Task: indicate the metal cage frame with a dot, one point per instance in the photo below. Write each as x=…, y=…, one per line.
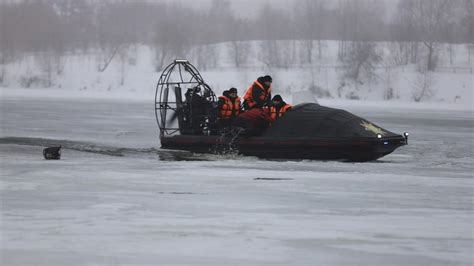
x=164, y=86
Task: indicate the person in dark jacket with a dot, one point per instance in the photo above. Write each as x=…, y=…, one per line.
x=196, y=110
x=259, y=94
x=277, y=108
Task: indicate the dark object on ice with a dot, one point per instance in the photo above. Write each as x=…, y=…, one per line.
x=307, y=131
x=52, y=153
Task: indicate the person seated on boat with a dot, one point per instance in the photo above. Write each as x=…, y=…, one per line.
x=259, y=93
x=252, y=122
x=278, y=107
x=229, y=107
x=196, y=110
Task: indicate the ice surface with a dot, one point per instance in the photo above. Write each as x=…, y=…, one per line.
x=136, y=206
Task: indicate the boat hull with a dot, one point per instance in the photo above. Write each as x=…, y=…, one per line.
x=345, y=149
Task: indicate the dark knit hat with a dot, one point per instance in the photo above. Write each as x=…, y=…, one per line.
x=267, y=78
x=277, y=98
x=232, y=90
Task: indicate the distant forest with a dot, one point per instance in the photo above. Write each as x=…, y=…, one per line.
x=60, y=27
x=38, y=25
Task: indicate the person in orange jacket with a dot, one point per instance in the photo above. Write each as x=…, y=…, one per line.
x=259, y=94
x=278, y=108
x=229, y=106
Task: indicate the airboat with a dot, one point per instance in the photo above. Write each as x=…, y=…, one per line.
x=187, y=118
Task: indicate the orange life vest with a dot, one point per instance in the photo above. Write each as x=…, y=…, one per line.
x=249, y=94
x=230, y=108
x=275, y=114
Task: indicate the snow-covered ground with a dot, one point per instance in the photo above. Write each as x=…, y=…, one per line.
x=134, y=72
x=116, y=199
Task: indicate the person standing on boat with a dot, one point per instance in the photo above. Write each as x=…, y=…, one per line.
x=259, y=94
x=229, y=106
x=278, y=107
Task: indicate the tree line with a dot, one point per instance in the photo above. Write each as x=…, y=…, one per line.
x=58, y=27
x=33, y=25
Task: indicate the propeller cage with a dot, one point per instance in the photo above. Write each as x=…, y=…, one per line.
x=184, y=103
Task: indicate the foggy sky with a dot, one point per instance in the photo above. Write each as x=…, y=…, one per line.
x=250, y=8
x=242, y=8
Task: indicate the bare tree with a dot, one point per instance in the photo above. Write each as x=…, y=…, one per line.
x=399, y=52
x=212, y=55
x=268, y=55
x=106, y=54
x=239, y=51
x=406, y=33
x=388, y=78
x=470, y=50
x=3, y=44
x=170, y=42
x=45, y=62
x=124, y=58
x=468, y=23
x=451, y=53
x=307, y=55
x=311, y=15
x=205, y=56
x=342, y=49
x=273, y=51
x=277, y=54
x=221, y=22
x=106, y=49
x=361, y=60
x=431, y=17
x=468, y=20
x=2, y=66
x=422, y=88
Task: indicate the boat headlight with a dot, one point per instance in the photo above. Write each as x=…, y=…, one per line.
x=406, y=137
x=379, y=136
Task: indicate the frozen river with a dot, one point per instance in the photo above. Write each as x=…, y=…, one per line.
x=116, y=199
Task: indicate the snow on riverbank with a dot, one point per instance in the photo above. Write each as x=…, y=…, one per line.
x=133, y=75
x=149, y=96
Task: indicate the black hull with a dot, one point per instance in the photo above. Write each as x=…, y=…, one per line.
x=345, y=149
